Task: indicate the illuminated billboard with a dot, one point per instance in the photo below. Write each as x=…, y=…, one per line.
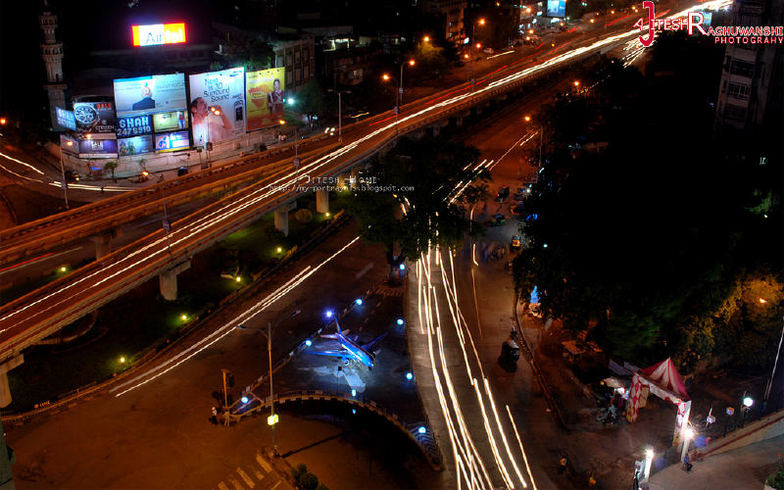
x=170, y=121
x=264, y=97
x=134, y=126
x=135, y=145
x=65, y=119
x=556, y=8
x=94, y=117
x=217, y=105
x=150, y=94
x=157, y=34
x=96, y=148
x=178, y=140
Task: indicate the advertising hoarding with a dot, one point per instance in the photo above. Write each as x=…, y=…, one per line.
x=94, y=117
x=134, y=126
x=170, y=121
x=264, y=97
x=157, y=34
x=135, y=145
x=217, y=105
x=95, y=148
x=178, y=140
x=150, y=94
x=556, y=8
x=65, y=119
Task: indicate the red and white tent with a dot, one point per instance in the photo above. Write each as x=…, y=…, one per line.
x=662, y=380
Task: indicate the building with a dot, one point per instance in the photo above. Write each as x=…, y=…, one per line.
x=52, y=53
x=297, y=53
x=752, y=82
x=451, y=14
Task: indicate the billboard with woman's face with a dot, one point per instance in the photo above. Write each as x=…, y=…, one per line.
x=264, y=97
x=217, y=106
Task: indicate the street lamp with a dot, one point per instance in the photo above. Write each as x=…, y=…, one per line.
x=426, y=39
x=688, y=435
x=340, y=112
x=528, y=119
x=62, y=170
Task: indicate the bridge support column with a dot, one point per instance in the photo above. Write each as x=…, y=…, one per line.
x=5, y=390
x=168, y=280
x=103, y=245
x=322, y=201
x=282, y=219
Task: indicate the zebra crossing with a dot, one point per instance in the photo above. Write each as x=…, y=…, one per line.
x=259, y=474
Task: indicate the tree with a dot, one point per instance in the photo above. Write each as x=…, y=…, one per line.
x=310, y=99
x=110, y=166
x=430, y=58
x=420, y=177
x=240, y=50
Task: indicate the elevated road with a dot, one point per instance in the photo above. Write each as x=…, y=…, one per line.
x=44, y=311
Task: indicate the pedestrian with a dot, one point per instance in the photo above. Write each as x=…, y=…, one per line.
x=214, y=416
x=101, y=189
x=562, y=465
x=686, y=464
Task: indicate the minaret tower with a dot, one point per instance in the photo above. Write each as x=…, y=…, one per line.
x=52, y=53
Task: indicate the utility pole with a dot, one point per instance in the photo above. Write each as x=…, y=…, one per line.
x=272, y=399
x=62, y=175
x=224, y=372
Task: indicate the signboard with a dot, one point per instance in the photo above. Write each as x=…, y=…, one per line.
x=556, y=8
x=265, y=92
x=94, y=117
x=65, y=119
x=218, y=105
x=95, y=148
x=150, y=94
x=178, y=140
x=157, y=34
x=169, y=121
x=134, y=126
x=135, y=145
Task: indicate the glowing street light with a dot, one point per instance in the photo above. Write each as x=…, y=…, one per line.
x=422, y=429
x=385, y=77
x=281, y=122
x=122, y=359
x=527, y=118
x=478, y=45
x=409, y=375
x=63, y=268
x=763, y=301
x=466, y=56
x=3, y=121
x=577, y=83
x=748, y=402
x=329, y=313
x=411, y=62
x=358, y=301
x=426, y=39
x=482, y=21
x=244, y=400
x=238, y=279
x=184, y=317
x=400, y=322
x=279, y=249
x=308, y=343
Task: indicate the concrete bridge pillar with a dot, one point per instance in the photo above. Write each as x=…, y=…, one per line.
x=282, y=219
x=168, y=280
x=322, y=201
x=103, y=244
x=5, y=390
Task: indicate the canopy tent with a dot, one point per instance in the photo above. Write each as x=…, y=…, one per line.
x=662, y=380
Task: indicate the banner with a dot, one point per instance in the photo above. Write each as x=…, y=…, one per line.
x=65, y=119
x=556, y=8
x=135, y=145
x=217, y=105
x=150, y=94
x=95, y=148
x=134, y=126
x=265, y=93
x=169, y=121
x=178, y=140
x=94, y=117
x=157, y=34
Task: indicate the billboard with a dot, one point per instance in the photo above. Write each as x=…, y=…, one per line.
x=217, y=105
x=134, y=126
x=178, y=140
x=556, y=8
x=95, y=148
x=170, y=121
x=157, y=34
x=264, y=97
x=150, y=94
x=65, y=119
x=135, y=145
x=94, y=117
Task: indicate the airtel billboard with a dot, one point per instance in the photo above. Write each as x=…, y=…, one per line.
x=157, y=34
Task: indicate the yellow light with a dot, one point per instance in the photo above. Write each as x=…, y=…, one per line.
x=122, y=359
x=3, y=121
x=530, y=31
x=478, y=45
x=385, y=77
x=527, y=118
x=612, y=11
x=465, y=56
x=426, y=39
x=238, y=279
x=552, y=45
x=183, y=317
x=273, y=419
x=577, y=83
x=528, y=10
x=69, y=143
x=63, y=269
x=279, y=249
x=763, y=301
x=217, y=112
x=328, y=215
x=145, y=173
x=411, y=62
x=527, y=38
x=281, y=121
x=591, y=21
x=482, y=22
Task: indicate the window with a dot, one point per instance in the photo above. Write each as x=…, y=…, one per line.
x=732, y=111
x=738, y=90
x=742, y=68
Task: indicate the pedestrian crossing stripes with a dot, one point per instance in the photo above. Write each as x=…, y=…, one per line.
x=257, y=474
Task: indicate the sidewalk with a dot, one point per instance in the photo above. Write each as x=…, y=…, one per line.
x=747, y=467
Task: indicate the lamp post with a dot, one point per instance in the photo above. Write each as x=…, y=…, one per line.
x=528, y=119
x=481, y=21
x=273, y=420
x=399, y=95
x=62, y=175
x=340, y=111
x=688, y=434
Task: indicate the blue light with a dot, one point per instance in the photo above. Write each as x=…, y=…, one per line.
x=409, y=376
x=329, y=313
x=358, y=301
x=354, y=411
x=402, y=267
x=422, y=430
x=244, y=399
x=353, y=392
x=308, y=342
x=400, y=322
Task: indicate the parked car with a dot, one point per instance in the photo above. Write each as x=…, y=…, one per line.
x=516, y=243
x=71, y=175
x=488, y=51
x=182, y=171
x=503, y=193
